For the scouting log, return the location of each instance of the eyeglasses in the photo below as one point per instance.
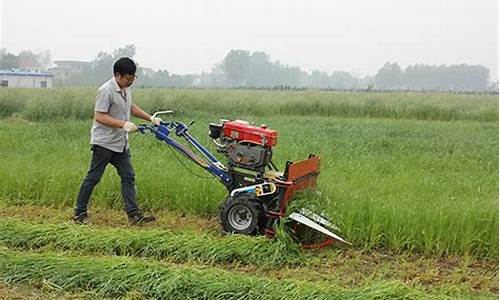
(130, 78)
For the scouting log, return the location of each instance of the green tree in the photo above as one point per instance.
(389, 77)
(8, 60)
(236, 67)
(101, 67)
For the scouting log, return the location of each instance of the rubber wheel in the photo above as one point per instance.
(241, 214)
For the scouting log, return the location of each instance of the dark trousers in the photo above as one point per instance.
(100, 159)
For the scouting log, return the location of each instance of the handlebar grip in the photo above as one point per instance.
(143, 127)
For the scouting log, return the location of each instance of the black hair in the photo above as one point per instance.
(124, 66)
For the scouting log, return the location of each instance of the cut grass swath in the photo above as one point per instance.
(176, 245)
(116, 277)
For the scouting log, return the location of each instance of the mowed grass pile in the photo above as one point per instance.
(395, 182)
(118, 277)
(176, 246)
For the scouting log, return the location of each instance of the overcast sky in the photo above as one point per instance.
(190, 36)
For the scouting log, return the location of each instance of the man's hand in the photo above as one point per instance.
(129, 127)
(156, 121)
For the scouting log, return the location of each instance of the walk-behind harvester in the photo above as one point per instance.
(258, 193)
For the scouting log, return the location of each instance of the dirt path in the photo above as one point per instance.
(36, 292)
(110, 218)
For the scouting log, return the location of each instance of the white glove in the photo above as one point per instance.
(129, 127)
(156, 121)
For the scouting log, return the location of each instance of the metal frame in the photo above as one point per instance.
(213, 166)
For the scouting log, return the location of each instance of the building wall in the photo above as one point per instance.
(23, 81)
(65, 69)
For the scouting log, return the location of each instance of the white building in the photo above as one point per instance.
(22, 79)
(65, 69)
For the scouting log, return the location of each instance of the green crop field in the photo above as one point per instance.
(408, 176)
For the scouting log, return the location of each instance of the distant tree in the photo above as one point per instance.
(367, 83)
(28, 60)
(319, 79)
(218, 77)
(160, 78)
(445, 78)
(493, 87)
(181, 80)
(25, 60)
(468, 77)
(45, 59)
(127, 51)
(292, 76)
(260, 70)
(8, 60)
(241, 68)
(101, 67)
(236, 66)
(343, 80)
(389, 76)
(421, 77)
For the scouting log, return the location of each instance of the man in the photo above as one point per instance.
(109, 140)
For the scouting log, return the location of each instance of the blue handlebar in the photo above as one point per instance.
(162, 133)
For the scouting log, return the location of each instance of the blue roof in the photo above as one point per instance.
(24, 73)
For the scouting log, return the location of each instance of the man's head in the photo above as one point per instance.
(124, 70)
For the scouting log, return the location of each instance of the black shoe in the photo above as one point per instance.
(80, 218)
(138, 218)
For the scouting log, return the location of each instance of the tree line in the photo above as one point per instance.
(462, 78)
(245, 69)
(25, 60)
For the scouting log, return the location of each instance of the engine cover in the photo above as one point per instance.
(248, 155)
(239, 131)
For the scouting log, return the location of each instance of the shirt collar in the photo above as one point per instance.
(116, 86)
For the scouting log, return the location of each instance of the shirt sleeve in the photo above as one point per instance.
(103, 101)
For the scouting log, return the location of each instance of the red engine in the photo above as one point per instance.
(243, 132)
(245, 146)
